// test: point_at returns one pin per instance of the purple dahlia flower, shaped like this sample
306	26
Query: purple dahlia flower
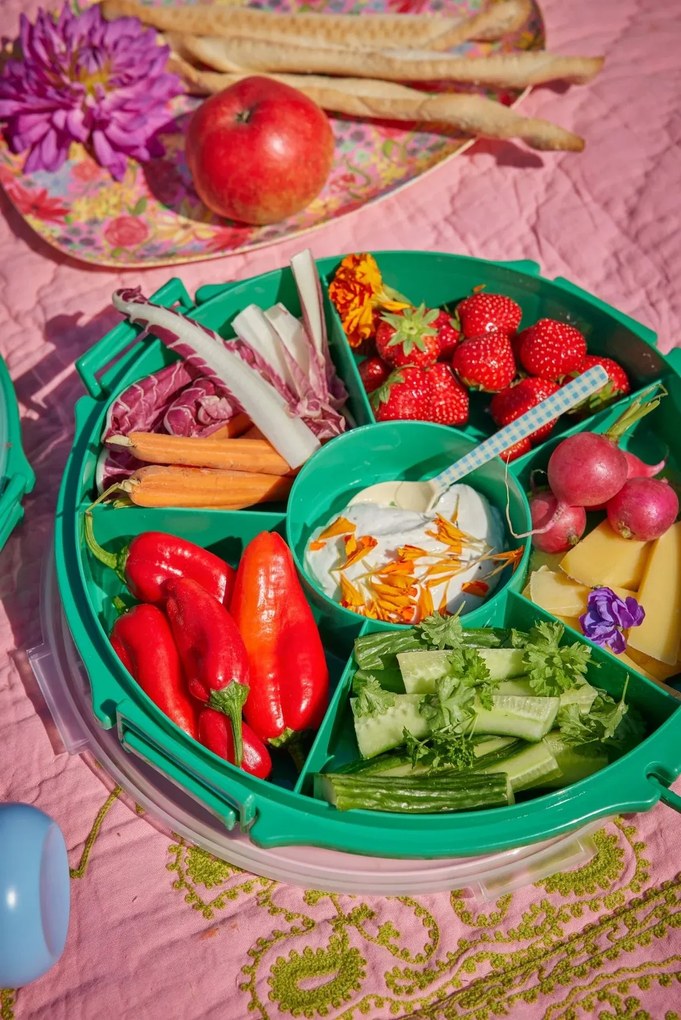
81	78
607	615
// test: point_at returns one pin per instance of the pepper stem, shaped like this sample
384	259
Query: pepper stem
230	701
296	749
116	561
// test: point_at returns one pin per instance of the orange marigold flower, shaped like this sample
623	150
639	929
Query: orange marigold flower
357	292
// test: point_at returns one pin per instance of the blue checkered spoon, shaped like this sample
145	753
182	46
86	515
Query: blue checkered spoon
421	496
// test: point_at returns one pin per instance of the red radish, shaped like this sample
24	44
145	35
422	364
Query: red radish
644	508
556	526
637	468
588	468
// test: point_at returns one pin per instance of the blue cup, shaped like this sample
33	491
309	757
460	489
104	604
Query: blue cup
34	894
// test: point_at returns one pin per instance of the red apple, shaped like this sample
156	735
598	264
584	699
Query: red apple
259	151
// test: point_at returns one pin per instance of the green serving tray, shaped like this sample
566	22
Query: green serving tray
282	811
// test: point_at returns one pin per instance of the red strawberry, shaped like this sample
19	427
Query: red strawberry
517	450
447	333
448	398
408	337
486	313
510	403
617	385
404	394
485	362
373	372
550	348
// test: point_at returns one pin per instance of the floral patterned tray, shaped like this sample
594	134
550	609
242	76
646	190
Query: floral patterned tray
154	217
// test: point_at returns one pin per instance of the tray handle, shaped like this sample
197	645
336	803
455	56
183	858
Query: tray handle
213	290
209	787
11	510
667	796
92	366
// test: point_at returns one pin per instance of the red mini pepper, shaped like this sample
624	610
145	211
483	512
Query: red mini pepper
211	650
143	641
289	677
216	735
153	557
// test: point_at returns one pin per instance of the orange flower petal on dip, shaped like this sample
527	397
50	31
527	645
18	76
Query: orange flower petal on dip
357	548
479	588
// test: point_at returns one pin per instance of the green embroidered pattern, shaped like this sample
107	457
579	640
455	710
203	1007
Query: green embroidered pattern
79	871
311	982
7	1001
480	961
196	868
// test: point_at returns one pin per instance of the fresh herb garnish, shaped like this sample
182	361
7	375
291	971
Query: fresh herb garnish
439	631
608	723
445	749
370	697
551	667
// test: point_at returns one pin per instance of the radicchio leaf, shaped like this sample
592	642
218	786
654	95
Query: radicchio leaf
199	409
141	407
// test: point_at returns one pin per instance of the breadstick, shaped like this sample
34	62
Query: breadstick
365	97
511	70
430	31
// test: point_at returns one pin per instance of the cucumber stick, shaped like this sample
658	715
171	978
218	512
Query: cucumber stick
583	695
400	763
573	765
379	732
421	670
414	794
511	716
534	765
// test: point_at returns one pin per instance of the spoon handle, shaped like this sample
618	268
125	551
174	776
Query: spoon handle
562	400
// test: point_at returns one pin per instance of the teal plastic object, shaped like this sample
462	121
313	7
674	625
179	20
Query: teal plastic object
283	811
16	475
34	894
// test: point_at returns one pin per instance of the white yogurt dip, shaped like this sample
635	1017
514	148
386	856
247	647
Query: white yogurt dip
399	565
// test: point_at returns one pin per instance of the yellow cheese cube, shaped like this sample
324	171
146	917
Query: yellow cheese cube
557	593
605	558
653	667
660	595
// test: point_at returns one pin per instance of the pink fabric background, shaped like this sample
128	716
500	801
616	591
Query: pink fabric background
608	220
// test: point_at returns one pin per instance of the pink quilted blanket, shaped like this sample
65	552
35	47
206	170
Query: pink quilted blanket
161	929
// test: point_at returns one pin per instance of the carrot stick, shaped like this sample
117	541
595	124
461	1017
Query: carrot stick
257	456
236	426
156	486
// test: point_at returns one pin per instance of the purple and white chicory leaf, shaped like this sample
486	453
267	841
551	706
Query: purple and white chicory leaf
141	407
200	409
209	355
309	289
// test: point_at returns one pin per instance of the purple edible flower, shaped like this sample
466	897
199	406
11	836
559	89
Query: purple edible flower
84	79
607	615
